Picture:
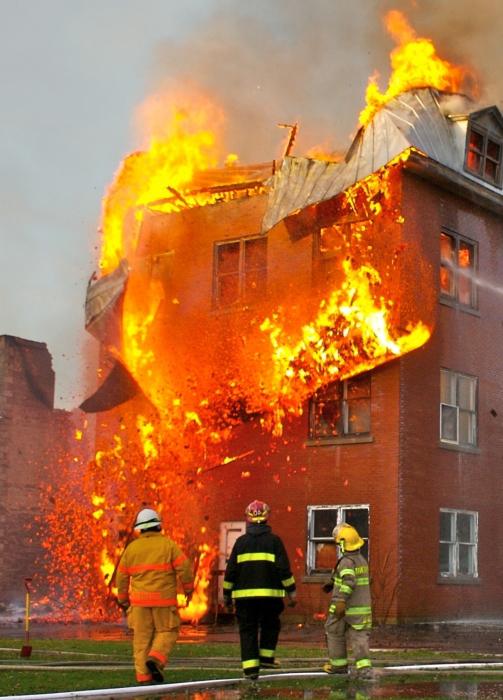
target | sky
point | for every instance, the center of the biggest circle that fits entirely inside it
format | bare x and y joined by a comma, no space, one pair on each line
74,73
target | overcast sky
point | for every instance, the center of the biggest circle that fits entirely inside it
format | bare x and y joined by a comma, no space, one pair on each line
74,71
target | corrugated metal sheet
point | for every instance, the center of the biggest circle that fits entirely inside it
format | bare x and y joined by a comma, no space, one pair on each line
414,119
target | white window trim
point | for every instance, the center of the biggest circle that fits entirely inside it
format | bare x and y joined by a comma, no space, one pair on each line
311,541
454,573
457,407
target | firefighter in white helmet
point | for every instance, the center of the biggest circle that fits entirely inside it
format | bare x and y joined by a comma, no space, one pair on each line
349,617
147,588
257,579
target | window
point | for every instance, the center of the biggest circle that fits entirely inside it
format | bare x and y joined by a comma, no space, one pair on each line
458,543
458,408
457,269
240,271
321,520
341,409
483,154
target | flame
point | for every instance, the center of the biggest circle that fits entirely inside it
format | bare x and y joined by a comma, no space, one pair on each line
414,64
183,147
350,334
197,387
199,602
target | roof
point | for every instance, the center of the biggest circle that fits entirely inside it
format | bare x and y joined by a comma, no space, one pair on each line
431,122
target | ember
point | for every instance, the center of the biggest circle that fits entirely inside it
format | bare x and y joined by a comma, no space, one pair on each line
194,376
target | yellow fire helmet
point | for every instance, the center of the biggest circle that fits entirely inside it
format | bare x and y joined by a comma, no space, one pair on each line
347,537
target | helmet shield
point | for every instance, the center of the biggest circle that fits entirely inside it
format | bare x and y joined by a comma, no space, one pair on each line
146,519
257,512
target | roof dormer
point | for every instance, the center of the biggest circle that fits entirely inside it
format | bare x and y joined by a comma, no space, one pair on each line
484,145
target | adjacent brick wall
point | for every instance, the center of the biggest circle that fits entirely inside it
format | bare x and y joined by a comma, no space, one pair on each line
30,430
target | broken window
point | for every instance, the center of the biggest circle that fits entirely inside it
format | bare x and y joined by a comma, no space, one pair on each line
321,550
458,543
458,408
240,274
457,269
483,154
341,409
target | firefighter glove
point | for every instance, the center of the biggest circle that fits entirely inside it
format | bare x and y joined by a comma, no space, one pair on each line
292,599
124,604
328,587
338,609
228,603
188,597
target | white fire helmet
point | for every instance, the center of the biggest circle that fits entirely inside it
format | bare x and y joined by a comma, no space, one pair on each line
146,519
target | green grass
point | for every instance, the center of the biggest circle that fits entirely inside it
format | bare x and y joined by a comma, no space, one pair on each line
222,661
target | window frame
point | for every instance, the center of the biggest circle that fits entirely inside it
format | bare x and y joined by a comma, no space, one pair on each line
474,413
454,560
312,541
345,401
487,136
453,299
241,299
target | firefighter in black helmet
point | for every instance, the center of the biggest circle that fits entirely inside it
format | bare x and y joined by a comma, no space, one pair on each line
257,579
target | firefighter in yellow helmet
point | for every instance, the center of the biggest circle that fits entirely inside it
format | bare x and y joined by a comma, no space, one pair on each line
146,588
257,579
349,617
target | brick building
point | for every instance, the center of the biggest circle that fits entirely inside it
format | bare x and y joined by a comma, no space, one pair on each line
32,435
410,452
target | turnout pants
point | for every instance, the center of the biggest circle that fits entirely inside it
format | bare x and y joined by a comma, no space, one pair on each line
339,635
155,631
259,627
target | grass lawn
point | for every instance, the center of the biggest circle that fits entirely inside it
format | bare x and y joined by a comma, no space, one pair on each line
108,664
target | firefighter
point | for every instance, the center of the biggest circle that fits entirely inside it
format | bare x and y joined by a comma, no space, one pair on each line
147,589
257,579
349,614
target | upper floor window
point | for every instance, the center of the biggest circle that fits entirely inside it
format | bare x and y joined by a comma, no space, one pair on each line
483,154
240,271
457,269
458,543
321,520
341,409
458,408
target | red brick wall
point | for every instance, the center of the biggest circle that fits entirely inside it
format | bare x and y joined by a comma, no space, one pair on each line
29,431
432,477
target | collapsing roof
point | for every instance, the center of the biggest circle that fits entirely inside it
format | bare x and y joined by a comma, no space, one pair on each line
431,122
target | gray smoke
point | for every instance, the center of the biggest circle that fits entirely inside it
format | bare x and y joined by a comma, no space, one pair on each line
285,60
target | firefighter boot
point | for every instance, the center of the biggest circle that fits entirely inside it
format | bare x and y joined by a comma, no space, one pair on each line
155,670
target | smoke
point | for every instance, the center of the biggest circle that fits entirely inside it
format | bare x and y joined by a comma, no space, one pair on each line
287,61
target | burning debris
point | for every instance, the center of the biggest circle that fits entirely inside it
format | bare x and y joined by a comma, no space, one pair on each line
200,371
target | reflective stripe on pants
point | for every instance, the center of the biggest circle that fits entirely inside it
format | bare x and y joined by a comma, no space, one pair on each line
338,634
155,633
259,627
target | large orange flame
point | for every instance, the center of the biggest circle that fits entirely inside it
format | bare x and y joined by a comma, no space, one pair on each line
183,146
414,64
196,388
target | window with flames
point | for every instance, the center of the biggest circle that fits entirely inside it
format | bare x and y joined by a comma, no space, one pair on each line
341,409
458,269
483,154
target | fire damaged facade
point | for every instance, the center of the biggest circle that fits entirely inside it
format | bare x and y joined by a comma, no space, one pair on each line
256,297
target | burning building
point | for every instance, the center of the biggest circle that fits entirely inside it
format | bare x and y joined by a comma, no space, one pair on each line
317,333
